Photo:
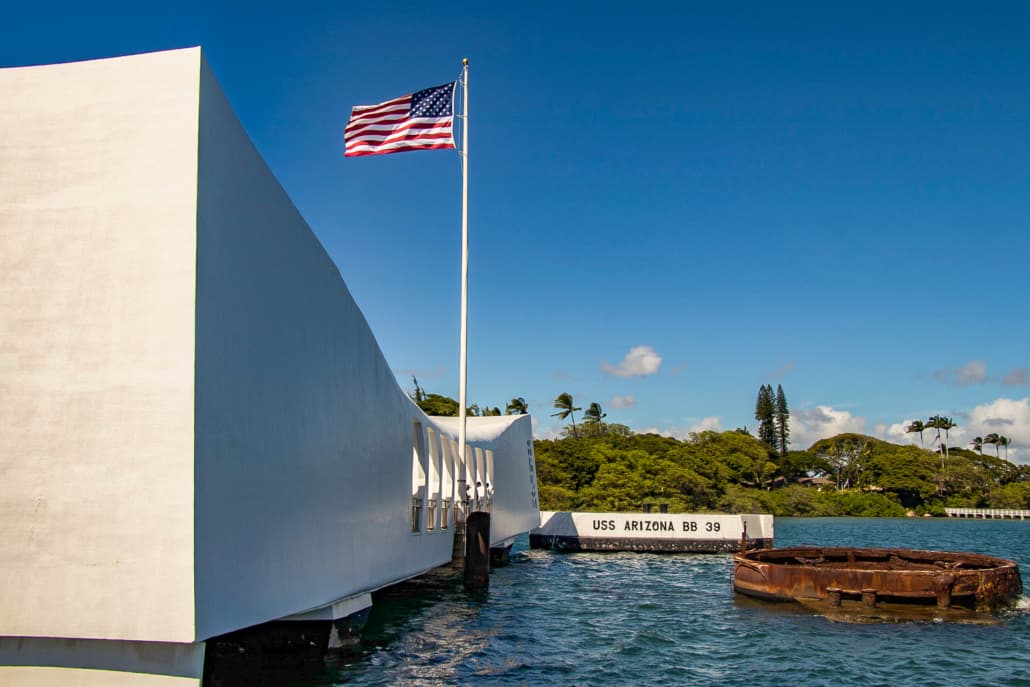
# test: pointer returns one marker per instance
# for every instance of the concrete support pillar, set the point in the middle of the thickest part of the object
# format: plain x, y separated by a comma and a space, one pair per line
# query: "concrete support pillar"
477, 551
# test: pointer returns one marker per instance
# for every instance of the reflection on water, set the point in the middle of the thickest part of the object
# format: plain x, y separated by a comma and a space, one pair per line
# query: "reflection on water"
624, 618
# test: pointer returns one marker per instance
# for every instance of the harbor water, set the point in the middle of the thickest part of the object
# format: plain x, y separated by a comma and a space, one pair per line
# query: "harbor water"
672, 619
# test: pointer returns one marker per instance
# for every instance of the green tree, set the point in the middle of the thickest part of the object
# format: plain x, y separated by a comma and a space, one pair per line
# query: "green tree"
934, 422
993, 438
729, 471
765, 409
978, 445
794, 465
916, 426
940, 422
435, 404
848, 456
782, 417
946, 423
1004, 441
593, 415
742, 459
516, 406
566, 408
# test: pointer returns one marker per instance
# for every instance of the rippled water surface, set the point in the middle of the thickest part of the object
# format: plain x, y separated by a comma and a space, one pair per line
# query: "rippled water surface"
636, 619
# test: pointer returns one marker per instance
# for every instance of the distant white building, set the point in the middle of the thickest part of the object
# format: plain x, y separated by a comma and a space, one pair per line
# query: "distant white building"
198, 431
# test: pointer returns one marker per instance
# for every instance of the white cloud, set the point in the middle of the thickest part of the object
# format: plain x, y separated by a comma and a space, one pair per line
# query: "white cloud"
713, 424
896, 433
707, 424
782, 371
641, 361
973, 372
809, 426
1006, 416
1017, 377
622, 402
545, 431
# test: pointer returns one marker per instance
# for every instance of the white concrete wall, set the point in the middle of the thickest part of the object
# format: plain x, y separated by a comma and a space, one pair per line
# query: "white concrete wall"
200, 432
303, 438
97, 252
32, 661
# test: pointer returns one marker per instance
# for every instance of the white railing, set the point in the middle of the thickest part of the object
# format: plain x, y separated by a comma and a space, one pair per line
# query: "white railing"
1004, 513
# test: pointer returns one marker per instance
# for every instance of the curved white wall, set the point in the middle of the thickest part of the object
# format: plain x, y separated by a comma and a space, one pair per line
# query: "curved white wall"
304, 439
200, 431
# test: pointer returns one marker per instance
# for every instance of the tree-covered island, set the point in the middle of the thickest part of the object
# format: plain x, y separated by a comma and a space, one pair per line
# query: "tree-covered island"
849, 474
600, 466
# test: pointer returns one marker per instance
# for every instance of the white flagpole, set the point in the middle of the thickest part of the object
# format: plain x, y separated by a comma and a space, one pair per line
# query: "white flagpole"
463, 355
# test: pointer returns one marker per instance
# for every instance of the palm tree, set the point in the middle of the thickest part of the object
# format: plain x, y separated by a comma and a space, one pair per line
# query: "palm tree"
993, 438
1004, 441
566, 409
516, 406
946, 423
916, 426
978, 445
593, 414
934, 422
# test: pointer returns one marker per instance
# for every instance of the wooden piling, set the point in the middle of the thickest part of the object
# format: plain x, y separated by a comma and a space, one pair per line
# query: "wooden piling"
477, 551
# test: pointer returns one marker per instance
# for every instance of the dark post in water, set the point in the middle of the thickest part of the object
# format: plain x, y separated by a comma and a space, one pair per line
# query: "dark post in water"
477, 551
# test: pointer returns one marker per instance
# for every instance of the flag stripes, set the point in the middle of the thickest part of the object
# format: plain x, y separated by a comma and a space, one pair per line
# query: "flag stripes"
420, 121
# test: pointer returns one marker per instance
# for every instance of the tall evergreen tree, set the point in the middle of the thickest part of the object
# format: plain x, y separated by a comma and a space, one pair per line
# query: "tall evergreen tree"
765, 410
782, 421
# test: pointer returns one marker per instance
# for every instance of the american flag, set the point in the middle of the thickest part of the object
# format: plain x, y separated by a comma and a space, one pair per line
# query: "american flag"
420, 121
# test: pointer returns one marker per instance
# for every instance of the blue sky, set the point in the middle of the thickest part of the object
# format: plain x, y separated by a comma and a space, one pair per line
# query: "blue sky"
670, 205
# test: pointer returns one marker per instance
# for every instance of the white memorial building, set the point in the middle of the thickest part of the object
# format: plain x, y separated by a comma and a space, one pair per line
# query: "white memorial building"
198, 430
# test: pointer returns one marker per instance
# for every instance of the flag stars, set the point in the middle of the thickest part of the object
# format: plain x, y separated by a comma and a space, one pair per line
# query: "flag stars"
420, 121
432, 102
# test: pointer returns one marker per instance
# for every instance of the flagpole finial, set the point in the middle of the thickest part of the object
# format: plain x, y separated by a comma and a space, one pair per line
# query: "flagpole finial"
465, 61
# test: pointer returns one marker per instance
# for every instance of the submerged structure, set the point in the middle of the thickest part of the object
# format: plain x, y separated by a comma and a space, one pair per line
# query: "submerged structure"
872, 577
200, 433
652, 532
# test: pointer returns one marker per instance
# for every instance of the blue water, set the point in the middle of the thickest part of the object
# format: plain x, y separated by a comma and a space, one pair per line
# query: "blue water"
636, 619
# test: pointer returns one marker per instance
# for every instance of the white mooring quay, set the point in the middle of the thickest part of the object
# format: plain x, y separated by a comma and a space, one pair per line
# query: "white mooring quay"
652, 532
988, 513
